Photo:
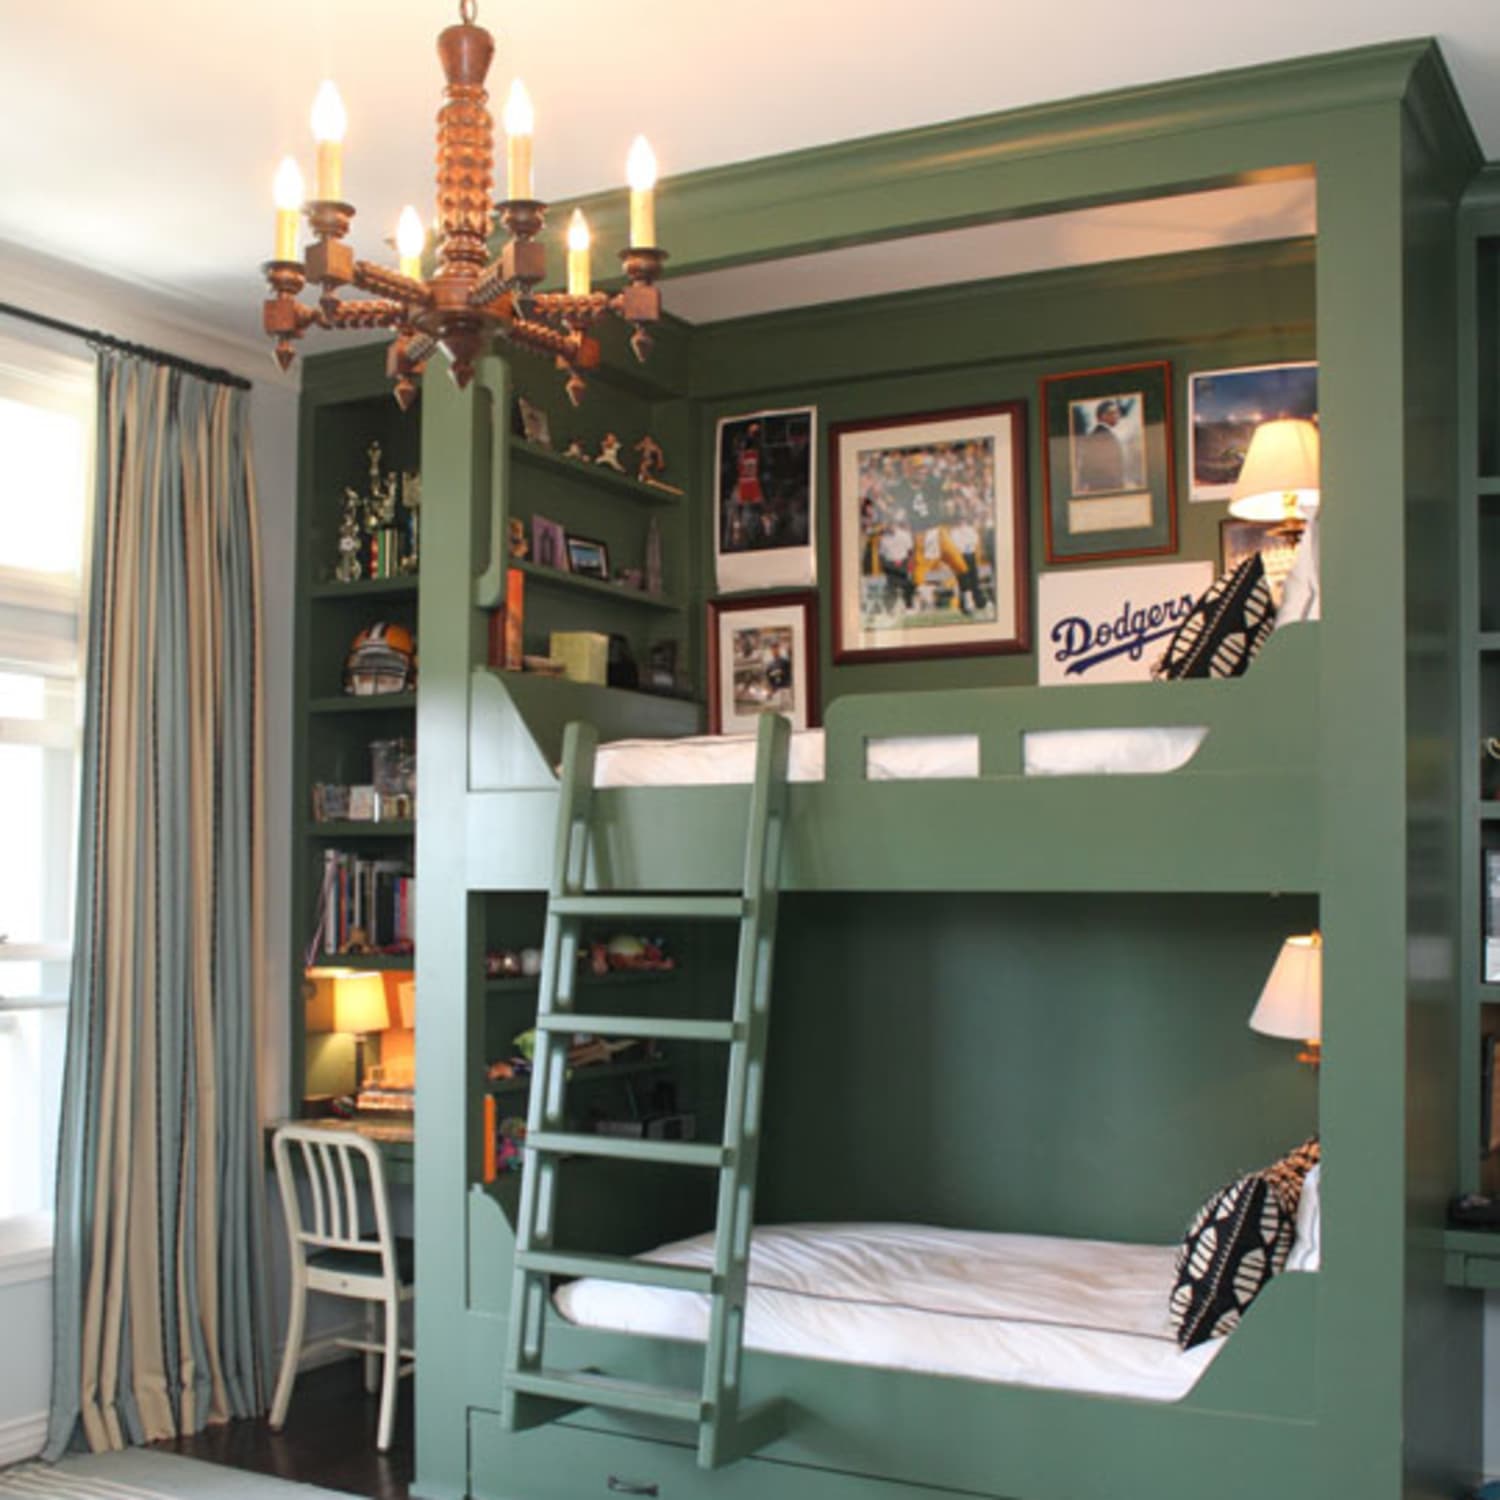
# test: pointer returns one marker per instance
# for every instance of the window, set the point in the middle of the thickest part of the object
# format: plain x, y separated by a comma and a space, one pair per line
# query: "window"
46, 439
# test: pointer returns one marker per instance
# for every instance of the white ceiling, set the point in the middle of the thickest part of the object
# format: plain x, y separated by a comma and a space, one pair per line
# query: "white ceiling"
141, 139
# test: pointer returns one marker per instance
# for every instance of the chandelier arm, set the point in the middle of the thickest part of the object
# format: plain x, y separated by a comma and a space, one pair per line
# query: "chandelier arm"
490, 285
375, 313
369, 276
563, 307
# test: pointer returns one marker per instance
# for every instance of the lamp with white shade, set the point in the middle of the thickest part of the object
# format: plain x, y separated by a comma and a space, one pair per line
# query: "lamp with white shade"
1280, 481
1291, 1004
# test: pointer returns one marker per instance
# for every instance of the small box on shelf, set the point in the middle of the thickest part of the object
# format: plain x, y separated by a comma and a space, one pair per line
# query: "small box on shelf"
583, 653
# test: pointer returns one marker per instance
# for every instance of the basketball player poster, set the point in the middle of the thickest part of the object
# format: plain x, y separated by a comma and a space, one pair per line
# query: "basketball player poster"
764, 475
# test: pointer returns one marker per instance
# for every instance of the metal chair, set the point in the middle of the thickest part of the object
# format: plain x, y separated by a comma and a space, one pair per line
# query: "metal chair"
325, 1171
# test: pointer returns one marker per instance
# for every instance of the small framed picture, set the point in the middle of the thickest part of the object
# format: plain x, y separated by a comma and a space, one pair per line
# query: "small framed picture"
929, 535
762, 656
549, 544
535, 427
1226, 406
765, 469
588, 558
1240, 539
1108, 463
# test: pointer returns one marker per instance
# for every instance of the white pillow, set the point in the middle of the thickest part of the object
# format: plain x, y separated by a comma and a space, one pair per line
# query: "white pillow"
1307, 1246
1301, 598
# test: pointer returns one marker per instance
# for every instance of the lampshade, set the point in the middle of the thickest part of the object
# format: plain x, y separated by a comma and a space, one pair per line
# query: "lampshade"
359, 1003
1291, 1004
1279, 481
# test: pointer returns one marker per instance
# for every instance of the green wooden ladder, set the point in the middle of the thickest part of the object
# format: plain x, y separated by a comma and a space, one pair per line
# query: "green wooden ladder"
533, 1393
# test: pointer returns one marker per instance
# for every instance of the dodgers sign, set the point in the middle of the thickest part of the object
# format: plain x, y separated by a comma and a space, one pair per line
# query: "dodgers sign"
1112, 624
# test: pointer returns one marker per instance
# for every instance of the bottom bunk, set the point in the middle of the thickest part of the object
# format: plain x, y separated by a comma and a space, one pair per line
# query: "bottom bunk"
1043, 1073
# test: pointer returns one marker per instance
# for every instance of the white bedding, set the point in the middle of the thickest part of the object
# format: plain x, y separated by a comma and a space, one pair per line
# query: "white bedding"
1077, 1315
719, 760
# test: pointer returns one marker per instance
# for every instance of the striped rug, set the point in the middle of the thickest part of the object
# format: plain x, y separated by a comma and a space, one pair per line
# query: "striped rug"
139, 1475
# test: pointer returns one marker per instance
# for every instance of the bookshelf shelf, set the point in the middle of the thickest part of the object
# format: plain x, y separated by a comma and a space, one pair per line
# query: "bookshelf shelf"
555, 578
348, 703
384, 963
517, 985
403, 587
596, 1073
605, 478
395, 828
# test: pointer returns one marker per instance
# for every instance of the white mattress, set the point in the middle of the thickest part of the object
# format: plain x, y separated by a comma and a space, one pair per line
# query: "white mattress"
718, 760
1076, 1315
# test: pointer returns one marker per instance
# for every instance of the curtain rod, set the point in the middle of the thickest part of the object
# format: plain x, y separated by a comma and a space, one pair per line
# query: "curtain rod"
94, 337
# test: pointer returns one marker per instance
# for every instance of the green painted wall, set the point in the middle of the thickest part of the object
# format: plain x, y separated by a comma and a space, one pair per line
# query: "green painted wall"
970, 345
1075, 1065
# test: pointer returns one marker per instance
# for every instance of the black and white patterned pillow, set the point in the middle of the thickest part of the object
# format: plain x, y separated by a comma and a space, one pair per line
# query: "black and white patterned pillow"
1236, 1243
1224, 629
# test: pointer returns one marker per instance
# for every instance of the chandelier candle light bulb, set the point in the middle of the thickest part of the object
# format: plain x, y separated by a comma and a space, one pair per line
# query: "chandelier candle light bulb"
640, 172
329, 122
409, 240
288, 192
520, 126
580, 277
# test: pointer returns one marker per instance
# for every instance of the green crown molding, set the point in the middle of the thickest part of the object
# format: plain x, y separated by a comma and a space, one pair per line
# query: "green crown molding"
786, 204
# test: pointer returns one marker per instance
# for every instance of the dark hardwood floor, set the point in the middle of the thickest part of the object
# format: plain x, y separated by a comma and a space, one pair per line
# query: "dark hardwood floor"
328, 1440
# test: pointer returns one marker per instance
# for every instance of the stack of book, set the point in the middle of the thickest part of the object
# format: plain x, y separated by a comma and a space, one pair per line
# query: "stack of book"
364, 906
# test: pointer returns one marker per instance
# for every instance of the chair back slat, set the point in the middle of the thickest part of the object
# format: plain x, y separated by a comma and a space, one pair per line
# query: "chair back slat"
327, 1168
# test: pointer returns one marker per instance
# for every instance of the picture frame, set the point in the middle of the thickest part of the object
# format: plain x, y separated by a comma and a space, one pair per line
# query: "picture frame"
929, 530
535, 426
1226, 406
1240, 539
549, 544
763, 655
765, 495
587, 558
1109, 463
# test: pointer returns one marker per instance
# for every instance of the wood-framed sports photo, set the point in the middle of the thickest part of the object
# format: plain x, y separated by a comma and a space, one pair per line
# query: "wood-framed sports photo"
1108, 463
929, 534
762, 656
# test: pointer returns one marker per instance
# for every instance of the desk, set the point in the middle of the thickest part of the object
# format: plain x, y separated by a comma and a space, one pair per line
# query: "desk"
395, 1135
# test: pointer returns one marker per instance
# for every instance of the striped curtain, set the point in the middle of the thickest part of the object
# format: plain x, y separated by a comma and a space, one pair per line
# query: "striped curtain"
158, 1272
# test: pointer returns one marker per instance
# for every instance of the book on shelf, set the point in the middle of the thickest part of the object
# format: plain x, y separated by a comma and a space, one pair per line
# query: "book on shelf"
363, 901
1492, 916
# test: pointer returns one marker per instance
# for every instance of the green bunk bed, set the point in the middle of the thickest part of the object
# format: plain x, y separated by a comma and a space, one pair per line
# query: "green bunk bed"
1010, 1003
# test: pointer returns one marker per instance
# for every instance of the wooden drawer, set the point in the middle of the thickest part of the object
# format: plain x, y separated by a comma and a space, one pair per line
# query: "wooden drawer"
564, 1462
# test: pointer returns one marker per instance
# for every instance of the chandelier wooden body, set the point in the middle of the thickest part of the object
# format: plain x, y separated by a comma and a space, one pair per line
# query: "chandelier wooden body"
468, 299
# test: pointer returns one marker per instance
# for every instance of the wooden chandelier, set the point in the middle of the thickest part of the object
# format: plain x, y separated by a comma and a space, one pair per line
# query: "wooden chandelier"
468, 299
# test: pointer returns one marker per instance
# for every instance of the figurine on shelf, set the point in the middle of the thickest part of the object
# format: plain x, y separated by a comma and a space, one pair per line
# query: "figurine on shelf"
653, 557
575, 450
653, 461
609, 453
519, 546
411, 500
349, 569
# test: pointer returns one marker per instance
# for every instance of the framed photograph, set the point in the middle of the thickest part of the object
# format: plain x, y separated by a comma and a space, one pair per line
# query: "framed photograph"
765, 484
1108, 463
588, 558
929, 535
1226, 406
535, 427
762, 655
1240, 539
549, 544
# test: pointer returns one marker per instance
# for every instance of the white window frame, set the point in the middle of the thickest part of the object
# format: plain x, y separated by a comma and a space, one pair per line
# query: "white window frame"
36, 375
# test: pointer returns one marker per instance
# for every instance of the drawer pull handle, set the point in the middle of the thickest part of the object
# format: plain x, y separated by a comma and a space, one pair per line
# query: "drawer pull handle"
618, 1486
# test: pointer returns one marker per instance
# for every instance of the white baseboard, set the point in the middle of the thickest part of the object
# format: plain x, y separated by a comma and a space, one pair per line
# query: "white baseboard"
22, 1438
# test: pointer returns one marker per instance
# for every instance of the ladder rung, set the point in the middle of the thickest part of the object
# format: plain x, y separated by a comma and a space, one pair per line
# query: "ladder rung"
609, 904
606, 1391
629, 1148
619, 1268
659, 1028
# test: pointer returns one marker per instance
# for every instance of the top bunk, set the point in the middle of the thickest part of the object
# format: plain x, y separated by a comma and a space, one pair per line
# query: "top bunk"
970, 789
